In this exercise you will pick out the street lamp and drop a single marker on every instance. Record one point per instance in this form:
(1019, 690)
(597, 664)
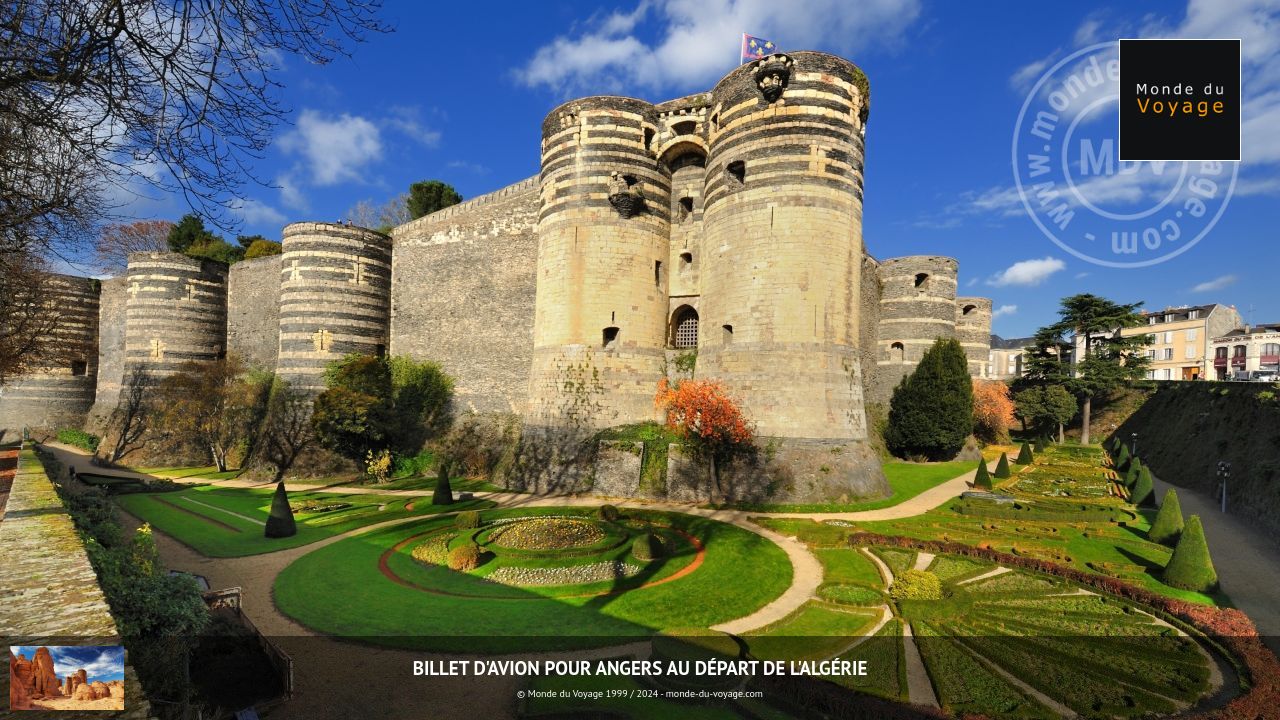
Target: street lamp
(1224, 474)
(1133, 450)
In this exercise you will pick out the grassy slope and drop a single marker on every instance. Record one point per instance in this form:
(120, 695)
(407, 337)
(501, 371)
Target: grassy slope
(906, 479)
(328, 590)
(215, 540)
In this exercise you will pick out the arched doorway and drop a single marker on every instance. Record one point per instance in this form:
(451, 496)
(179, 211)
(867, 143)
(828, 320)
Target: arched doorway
(684, 328)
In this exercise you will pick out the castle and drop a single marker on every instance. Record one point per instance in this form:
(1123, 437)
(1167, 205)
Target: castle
(727, 223)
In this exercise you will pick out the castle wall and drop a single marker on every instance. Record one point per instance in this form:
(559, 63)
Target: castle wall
(463, 289)
(783, 233)
(253, 311)
(60, 391)
(335, 298)
(111, 334)
(917, 306)
(176, 311)
(600, 321)
(973, 330)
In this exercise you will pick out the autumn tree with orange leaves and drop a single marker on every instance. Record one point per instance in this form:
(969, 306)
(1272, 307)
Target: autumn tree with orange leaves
(707, 418)
(992, 410)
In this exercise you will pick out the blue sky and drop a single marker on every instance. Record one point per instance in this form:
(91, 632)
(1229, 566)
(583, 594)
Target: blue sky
(458, 92)
(101, 663)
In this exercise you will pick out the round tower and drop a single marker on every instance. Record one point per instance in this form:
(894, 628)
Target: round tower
(603, 252)
(175, 311)
(60, 390)
(917, 306)
(782, 229)
(335, 298)
(973, 330)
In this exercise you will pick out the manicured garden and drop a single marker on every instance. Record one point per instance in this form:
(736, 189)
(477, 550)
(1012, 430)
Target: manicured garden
(229, 522)
(906, 479)
(533, 584)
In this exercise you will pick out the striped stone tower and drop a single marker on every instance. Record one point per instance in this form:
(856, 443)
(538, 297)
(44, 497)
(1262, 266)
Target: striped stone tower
(60, 391)
(782, 224)
(973, 330)
(335, 298)
(175, 311)
(917, 306)
(603, 244)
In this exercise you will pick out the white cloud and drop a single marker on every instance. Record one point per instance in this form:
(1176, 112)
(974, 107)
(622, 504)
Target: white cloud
(256, 212)
(408, 120)
(698, 40)
(1027, 272)
(1004, 310)
(335, 149)
(469, 167)
(1217, 283)
(108, 664)
(291, 192)
(1081, 275)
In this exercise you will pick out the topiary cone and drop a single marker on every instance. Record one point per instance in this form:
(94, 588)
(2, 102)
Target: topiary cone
(982, 481)
(1190, 567)
(1167, 526)
(444, 492)
(1131, 475)
(280, 521)
(1024, 454)
(1143, 489)
(1122, 459)
(1002, 467)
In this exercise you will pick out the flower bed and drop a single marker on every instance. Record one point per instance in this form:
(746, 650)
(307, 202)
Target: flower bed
(568, 575)
(547, 534)
(316, 506)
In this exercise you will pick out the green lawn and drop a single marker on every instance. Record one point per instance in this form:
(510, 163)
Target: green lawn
(229, 522)
(907, 480)
(817, 631)
(208, 472)
(330, 590)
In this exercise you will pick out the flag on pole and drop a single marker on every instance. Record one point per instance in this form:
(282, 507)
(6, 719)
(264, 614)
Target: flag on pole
(754, 48)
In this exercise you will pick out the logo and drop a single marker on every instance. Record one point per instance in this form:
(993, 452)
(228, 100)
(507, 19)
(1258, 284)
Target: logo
(1082, 196)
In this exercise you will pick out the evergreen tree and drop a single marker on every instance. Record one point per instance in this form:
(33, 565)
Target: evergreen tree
(428, 196)
(1122, 460)
(982, 480)
(1131, 475)
(1190, 566)
(1168, 523)
(280, 521)
(444, 492)
(931, 412)
(1143, 489)
(1002, 467)
(1024, 454)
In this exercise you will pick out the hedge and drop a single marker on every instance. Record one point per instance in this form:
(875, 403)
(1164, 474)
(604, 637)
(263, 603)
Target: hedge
(1002, 467)
(1168, 524)
(1190, 566)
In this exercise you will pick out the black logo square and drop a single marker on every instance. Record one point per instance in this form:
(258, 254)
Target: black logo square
(1180, 100)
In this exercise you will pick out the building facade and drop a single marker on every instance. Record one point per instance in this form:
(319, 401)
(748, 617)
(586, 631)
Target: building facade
(1243, 351)
(1179, 340)
(1006, 359)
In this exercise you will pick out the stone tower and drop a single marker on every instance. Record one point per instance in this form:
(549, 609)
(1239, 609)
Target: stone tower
(782, 228)
(59, 392)
(175, 311)
(599, 333)
(335, 298)
(917, 306)
(973, 330)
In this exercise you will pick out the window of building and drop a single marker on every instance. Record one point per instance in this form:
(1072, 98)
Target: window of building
(609, 337)
(684, 128)
(380, 350)
(686, 259)
(684, 327)
(657, 273)
(1168, 337)
(735, 174)
(897, 352)
(648, 137)
(1240, 351)
(1151, 354)
(1193, 315)
(968, 309)
(1152, 339)
(1220, 353)
(1151, 320)
(726, 334)
(79, 367)
(1271, 349)
(686, 208)
(1164, 374)
(1192, 334)
(1168, 354)
(1151, 374)
(1168, 318)
(921, 279)
(1191, 351)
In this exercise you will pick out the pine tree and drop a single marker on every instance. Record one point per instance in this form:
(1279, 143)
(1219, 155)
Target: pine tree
(280, 521)
(1168, 523)
(1190, 566)
(1143, 489)
(1002, 467)
(982, 480)
(444, 492)
(931, 412)
(1024, 455)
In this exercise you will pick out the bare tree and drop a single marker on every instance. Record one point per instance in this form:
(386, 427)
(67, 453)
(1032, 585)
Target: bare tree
(115, 242)
(288, 428)
(211, 404)
(29, 317)
(381, 217)
(177, 96)
(131, 417)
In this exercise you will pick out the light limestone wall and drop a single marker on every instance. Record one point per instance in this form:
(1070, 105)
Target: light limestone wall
(176, 311)
(917, 306)
(973, 330)
(253, 311)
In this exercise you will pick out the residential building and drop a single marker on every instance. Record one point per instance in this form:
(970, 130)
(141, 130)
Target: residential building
(1006, 357)
(1245, 350)
(1179, 339)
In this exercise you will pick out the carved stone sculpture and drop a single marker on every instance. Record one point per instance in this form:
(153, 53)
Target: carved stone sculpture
(625, 195)
(772, 75)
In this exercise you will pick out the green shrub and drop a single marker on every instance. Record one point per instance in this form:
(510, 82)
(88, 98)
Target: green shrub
(982, 480)
(1168, 523)
(1024, 455)
(465, 557)
(434, 550)
(404, 466)
(444, 491)
(1143, 489)
(608, 513)
(79, 438)
(262, 248)
(931, 412)
(280, 522)
(1190, 566)
(467, 520)
(1131, 476)
(916, 585)
(647, 547)
(1002, 467)
(1122, 458)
